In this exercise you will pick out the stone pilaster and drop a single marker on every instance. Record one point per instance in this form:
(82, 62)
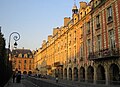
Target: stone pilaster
(95, 75)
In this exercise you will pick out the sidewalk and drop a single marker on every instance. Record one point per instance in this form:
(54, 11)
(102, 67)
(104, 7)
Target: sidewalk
(11, 84)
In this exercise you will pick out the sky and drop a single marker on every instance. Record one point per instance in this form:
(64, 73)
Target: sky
(34, 20)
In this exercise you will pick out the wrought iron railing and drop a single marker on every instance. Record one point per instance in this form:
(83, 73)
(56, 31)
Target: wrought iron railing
(105, 53)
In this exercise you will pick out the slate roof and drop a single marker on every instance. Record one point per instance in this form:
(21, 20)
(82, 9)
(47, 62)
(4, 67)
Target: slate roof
(22, 51)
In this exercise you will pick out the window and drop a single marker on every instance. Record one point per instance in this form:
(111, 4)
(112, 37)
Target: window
(98, 42)
(30, 67)
(70, 53)
(25, 61)
(88, 27)
(75, 36)
(20, 55)
(24, 66)
(81, 30)
(75, 52)
(25, 56)
(81, 52)
(19, 61)
(19, 67)
(98, 21)
(30, 62)
(88, 46)
(109, 13)
(111, 39)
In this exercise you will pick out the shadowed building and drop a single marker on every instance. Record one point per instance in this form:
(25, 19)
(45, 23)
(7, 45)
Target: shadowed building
(22, 61)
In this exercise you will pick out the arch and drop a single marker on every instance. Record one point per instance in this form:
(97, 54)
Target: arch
(114, 73)
(101, 74)
(65, 73)
(24, 72)
(70, 74)
(82, 74)
(30, 72)
(90, 74)
(75, 74)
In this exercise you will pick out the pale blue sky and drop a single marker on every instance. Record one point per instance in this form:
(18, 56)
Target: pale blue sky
(33, 19)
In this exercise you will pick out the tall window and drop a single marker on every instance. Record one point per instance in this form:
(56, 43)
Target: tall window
(88, 27)
(75, 36)
(109, 13)
(19, 67)
(88, 46)
(70, 53)
(30, 67)
(111, 39)
(81, 31)
(81, 52)
(30, 62)
(98, 21)
(75, 52)
(19, 61)
(24, 66)
(25, 61)
(98, 43)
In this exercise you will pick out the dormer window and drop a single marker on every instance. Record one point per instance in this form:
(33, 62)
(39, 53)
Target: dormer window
(20, 55)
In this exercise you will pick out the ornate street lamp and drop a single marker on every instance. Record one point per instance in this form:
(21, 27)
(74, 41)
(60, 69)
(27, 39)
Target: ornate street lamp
(16, 37)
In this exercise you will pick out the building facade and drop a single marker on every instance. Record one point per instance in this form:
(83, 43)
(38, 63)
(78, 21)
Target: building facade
(86, 47)
(22, 61)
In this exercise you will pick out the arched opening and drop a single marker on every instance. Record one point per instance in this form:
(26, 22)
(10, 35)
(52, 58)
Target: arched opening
(70, 74)
(114, 74)
(101, 75)
(75, 74)
(29, 73)
(65, 73)
(90, 74)
(82, 74)
(24, 72)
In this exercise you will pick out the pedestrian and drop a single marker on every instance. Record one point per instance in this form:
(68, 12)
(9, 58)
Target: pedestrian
(14, 77)
(18, 78)
(56, 79)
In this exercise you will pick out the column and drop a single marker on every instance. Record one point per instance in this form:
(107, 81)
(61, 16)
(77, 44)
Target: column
(95, 75)
(107, 75)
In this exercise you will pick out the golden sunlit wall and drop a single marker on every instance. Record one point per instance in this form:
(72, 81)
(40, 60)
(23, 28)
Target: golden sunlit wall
(63, 47)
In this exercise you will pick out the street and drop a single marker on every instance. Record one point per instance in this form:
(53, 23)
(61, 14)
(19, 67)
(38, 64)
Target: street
(41, 82)
(27, 83)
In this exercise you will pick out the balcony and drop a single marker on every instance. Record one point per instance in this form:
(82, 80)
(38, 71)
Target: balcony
(58, 64)
(48, 67)
(104, 54)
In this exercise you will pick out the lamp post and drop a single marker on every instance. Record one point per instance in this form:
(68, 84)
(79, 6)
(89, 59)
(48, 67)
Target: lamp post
(16, 37)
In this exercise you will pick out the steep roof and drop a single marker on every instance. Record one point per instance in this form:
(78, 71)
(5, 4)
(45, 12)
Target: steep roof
(22, 51)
